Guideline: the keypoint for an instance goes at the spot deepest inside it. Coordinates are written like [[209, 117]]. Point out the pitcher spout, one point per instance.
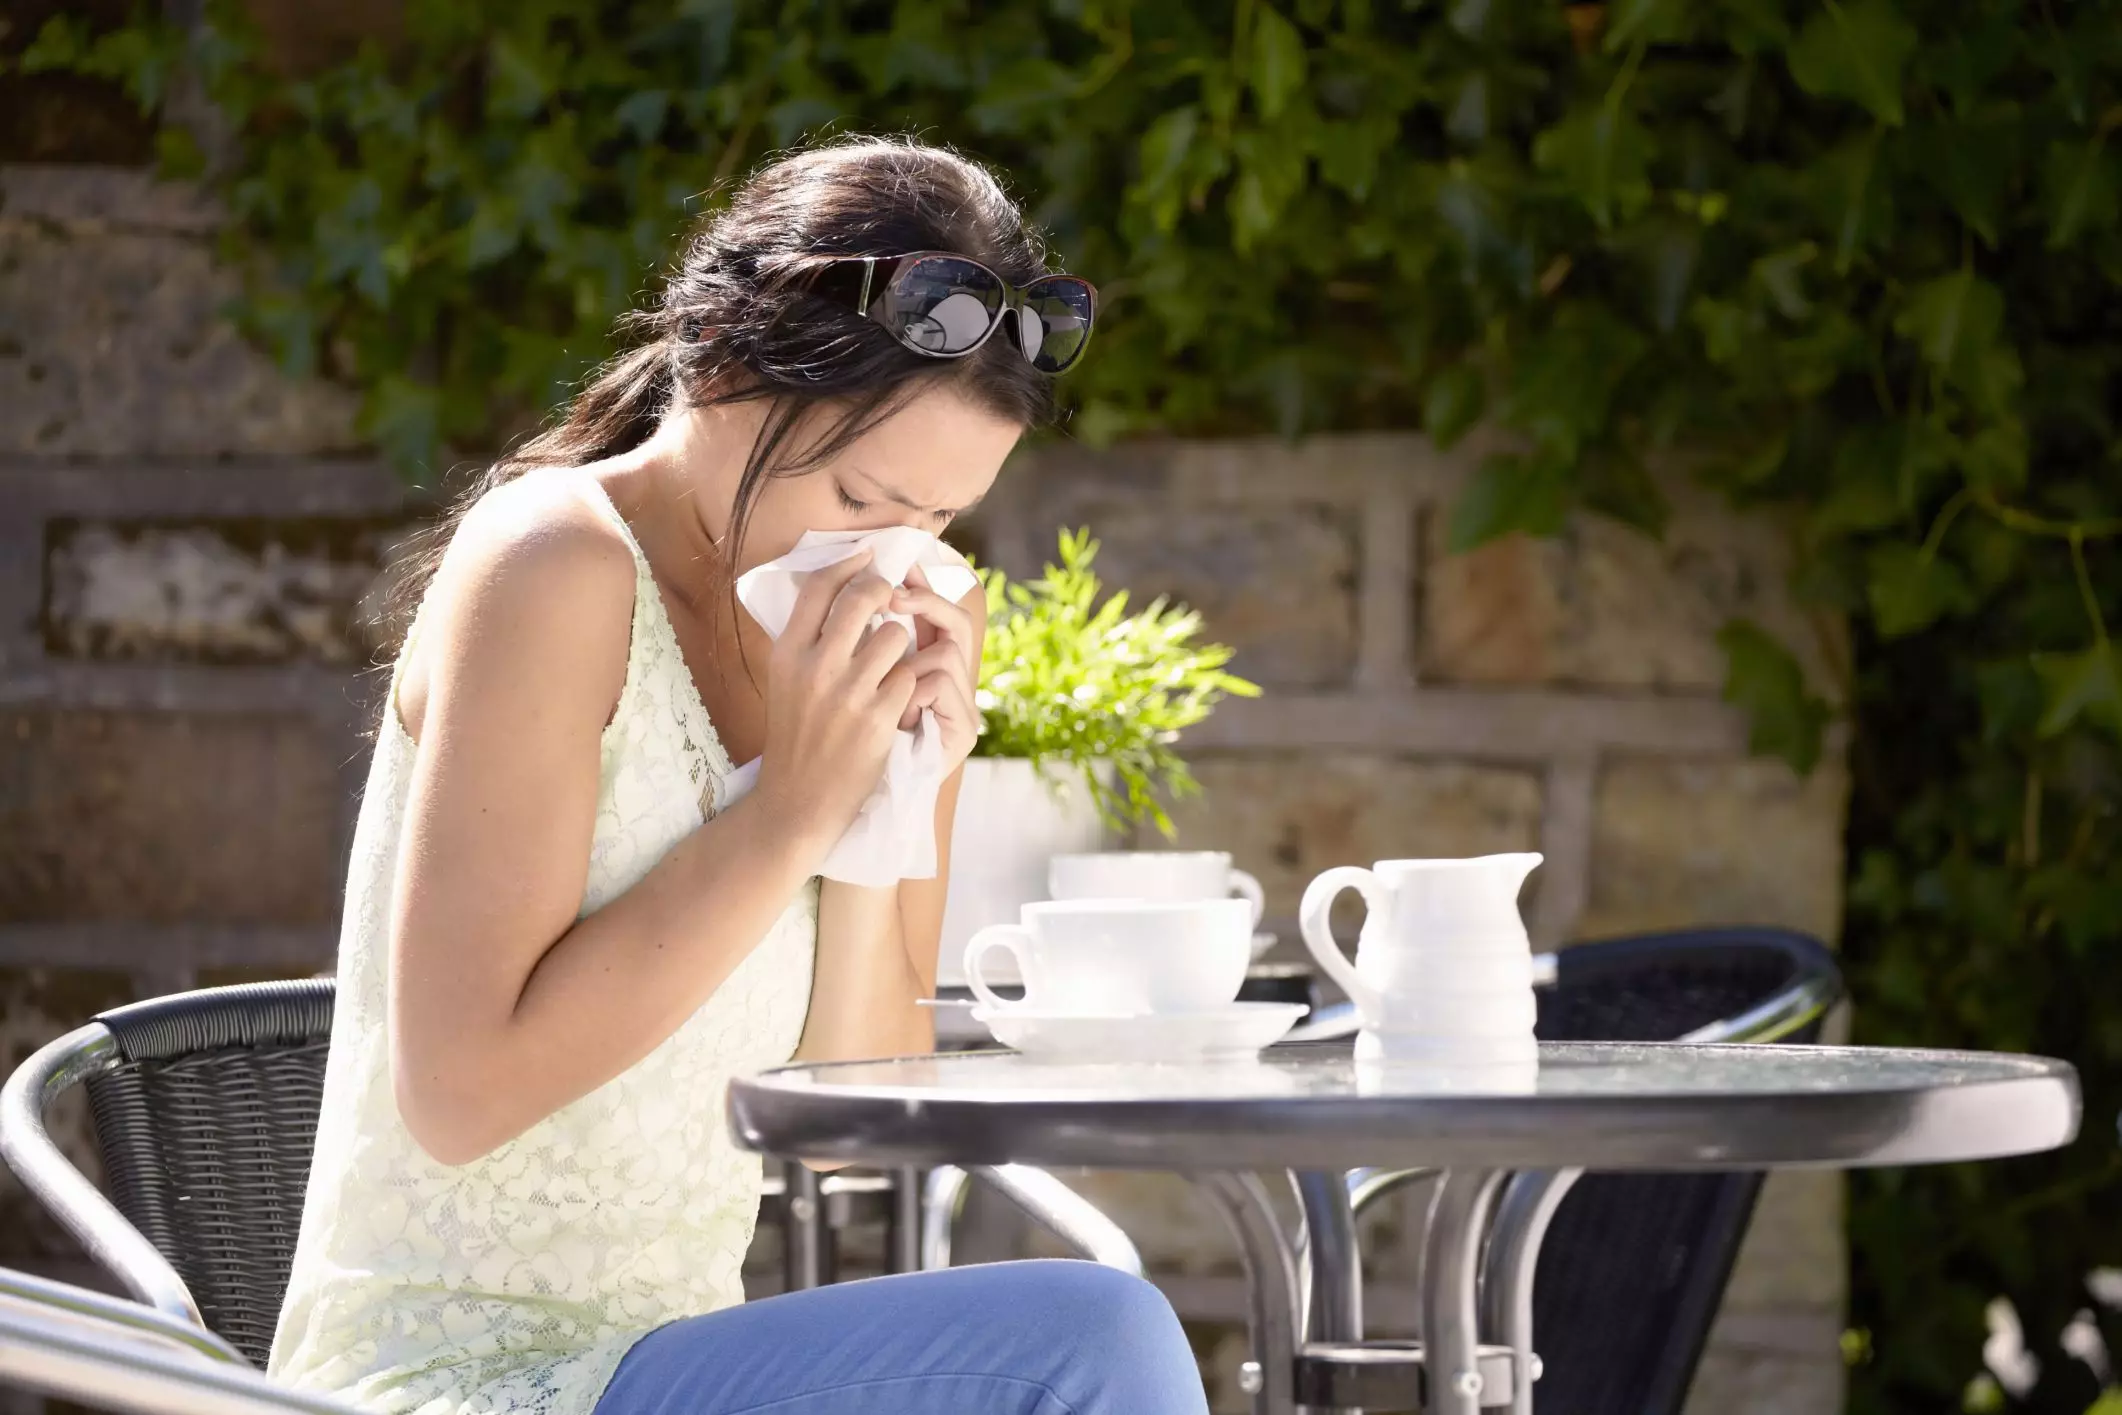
[[1512, 870]]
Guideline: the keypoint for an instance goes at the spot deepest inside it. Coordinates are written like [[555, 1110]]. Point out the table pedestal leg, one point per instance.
[[1458, 1218], [1271, 1284], [1330, 1269], [803, 1236], [902, 1251]]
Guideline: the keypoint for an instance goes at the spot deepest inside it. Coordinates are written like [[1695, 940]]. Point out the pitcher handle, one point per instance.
[[1314, 921], [1248, 889], [1015, 938]]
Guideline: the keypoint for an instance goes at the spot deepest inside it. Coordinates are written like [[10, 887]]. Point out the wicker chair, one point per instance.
[[205, 1106]]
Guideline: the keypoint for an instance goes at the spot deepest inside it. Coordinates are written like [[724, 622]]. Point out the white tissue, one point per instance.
[[894, 834]]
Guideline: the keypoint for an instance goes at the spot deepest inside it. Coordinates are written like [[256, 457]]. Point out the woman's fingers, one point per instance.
[[882, 650], [847, 622], [941, 661], [945, 695], [942, 681], [817, 596], [948, 618]]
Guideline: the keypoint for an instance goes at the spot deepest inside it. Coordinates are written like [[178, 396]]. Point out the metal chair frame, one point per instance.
[[27, 1148], [77, 1345]]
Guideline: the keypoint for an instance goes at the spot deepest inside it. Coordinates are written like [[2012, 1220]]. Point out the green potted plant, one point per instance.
[[1083, 704]]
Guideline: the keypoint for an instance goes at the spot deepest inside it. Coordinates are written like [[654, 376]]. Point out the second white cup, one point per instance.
[[1171, 875], [1119, 957]]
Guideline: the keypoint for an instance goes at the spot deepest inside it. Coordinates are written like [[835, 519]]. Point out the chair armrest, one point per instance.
[[26, 1147], [1790, 1010], [1060, 1210], [63, 1302], [55, 1350]]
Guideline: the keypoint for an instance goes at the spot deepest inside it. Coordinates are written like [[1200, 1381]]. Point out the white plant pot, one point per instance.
[[1010, 822]]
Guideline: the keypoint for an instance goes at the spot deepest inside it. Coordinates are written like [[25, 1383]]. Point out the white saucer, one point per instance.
[[1234, 1029]]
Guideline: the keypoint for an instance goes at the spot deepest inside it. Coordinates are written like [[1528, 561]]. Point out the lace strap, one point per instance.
[[656, 648]]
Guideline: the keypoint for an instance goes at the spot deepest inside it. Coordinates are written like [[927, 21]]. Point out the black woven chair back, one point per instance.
[[206, 1129], [1634, 1265]]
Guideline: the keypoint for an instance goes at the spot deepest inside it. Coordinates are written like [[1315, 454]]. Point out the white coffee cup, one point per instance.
[[1108, 957], [1152, 874]]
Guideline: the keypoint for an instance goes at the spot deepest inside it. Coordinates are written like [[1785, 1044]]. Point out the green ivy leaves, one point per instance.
[[1855, 49], [1278, 61], [1955, 321], [2080, 187], [2081, 686], [1787, 719], [1602, 155]]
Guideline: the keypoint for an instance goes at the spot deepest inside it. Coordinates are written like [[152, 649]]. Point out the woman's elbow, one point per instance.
[[453, 1120]]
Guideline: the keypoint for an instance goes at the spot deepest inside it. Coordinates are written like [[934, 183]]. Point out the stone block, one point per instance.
[[301, 39], [1677, 842], [246, 591], [1277, 584], [112, 343], [165, 818], [1288, 816], [1739, 1381], [1776, 1345], [1794, 1256], [36, 1006], [1223, 1351], [1605, 605]]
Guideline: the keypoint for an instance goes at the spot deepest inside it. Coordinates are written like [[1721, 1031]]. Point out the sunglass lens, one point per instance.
[[1054, 327], [942, 305]]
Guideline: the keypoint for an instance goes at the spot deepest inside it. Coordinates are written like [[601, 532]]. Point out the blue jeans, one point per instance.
[[1049, 1337]]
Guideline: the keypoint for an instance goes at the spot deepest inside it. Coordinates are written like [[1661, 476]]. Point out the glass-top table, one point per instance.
[[1585, 1105], [1659, 1106]]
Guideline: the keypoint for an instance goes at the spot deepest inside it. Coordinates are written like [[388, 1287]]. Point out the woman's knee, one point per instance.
[[1113, 1320], [1108, 1296]]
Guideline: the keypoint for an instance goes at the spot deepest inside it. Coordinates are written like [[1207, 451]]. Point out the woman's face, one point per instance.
[[922, 467]]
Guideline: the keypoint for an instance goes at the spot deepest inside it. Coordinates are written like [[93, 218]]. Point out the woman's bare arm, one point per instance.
[[877, 947], [504, 1007]]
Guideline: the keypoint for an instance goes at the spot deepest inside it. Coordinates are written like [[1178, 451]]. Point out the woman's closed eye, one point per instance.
[[855, 506]]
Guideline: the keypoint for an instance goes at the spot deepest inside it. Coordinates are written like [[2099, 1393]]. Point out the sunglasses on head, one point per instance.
[[945, 306]]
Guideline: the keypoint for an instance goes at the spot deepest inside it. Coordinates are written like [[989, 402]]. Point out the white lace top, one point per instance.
[[517, 1282]]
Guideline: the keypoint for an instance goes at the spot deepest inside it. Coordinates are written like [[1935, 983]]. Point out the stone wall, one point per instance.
[[187, 541]]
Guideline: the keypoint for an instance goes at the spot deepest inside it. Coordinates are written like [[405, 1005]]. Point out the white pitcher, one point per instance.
[[1443, 970]]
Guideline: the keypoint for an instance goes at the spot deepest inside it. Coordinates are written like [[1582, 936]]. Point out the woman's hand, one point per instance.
[[945, 663], [836, 692]]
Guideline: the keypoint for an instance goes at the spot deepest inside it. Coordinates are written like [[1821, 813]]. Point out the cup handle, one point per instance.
[[1314, 921], [1248, 889], [1013, 937]]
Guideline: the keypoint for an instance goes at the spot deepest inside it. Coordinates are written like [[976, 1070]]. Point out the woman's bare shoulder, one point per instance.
[[536, 585]]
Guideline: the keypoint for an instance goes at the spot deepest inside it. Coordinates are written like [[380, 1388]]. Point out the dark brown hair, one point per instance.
[[738, 322]]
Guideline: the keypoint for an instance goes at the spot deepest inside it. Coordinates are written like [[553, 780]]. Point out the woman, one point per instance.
[[562, 939]]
